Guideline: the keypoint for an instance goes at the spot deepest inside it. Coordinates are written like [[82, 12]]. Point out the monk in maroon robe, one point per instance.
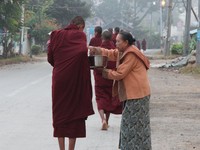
[[96, 40], [106, 104], [138, 44], [71, 82], [144, 45]]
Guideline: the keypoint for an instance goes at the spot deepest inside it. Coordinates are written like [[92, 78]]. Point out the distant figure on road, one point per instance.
[[111, 30], [96, 40], [71, 82], [132, 86], [138, 44], [106, 104], [144, 45], [116, 31]]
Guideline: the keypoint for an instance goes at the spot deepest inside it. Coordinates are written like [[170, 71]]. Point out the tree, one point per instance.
[[10, 15], [127, 10], [108, 10], [131, 12], [39, 8], [64, 10], [10, 21], [39, 29], [38, 22]]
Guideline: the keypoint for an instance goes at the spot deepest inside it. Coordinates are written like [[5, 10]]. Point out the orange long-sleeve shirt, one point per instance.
[[131, 73]]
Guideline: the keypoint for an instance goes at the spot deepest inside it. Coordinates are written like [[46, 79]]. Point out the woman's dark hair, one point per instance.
[[106, 35], [98, 29], [127, 36]]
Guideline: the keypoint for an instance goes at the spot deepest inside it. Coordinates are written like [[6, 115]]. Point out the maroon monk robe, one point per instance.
[[96, 40], [103, 87], [144, 44], [114, 36], [138, 44], [71, 82]]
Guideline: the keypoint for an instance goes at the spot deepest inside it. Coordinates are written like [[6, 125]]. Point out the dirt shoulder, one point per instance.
[[21, 59], [175, 110]]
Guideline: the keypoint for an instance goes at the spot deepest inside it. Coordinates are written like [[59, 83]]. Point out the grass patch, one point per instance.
[[191, 69], [14, 60], [42, 54]]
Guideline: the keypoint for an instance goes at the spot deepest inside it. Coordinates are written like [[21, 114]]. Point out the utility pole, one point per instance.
[[162, 39], [187, 28], [162, 5], [161, 28], [198, 37], [168, 38], [22, 30]]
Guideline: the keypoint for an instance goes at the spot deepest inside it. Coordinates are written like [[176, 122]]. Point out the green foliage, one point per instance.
[[16, 37], [40, 25], [38, 4], [38, 8], [40, 32], [193, 43], [10, 21], [30, 19], [36, 49], [10, 15], [64, 10], [177, 49]]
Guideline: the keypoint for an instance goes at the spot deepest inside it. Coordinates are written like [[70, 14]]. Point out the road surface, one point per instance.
[[25, 112], [26, 123]]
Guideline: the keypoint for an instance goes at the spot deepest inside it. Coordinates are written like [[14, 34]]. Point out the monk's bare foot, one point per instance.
[[107, 124], [104, 125]]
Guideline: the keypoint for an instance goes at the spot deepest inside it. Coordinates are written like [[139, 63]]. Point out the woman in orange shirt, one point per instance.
[[133, 89]]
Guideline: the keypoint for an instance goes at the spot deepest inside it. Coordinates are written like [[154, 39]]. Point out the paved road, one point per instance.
[[25, 112]]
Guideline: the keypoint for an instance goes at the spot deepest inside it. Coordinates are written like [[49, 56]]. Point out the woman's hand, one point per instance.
[[94, 50]]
